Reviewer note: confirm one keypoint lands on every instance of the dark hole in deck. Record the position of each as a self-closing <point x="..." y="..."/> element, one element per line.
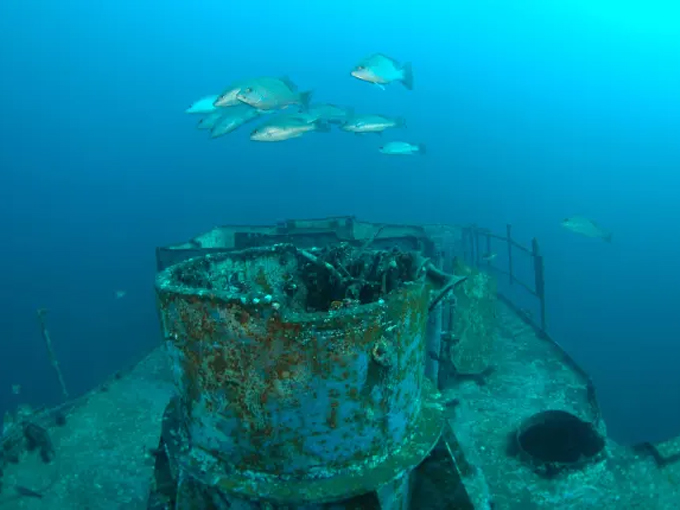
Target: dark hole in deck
<point x="558" y="437"/>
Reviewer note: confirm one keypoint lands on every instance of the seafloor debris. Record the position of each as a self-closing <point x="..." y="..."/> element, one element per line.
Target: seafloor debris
<point x="24" y="431"/>
<point x="38" y="439"/>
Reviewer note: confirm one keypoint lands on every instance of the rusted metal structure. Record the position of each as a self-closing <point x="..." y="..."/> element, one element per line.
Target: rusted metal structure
<point x="328" y="364"/>
<point x="304" y="370"/>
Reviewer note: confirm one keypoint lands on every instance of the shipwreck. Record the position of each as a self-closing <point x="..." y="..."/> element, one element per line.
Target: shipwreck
<point x="337" y="364"/>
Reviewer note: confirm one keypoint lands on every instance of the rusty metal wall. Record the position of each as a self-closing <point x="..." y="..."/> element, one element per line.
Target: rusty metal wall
<point x="267" y="387"/>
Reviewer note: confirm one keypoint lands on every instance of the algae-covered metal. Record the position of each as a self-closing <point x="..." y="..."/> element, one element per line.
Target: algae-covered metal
<point x="474" y="324"/>
<point x="297" y="364"/>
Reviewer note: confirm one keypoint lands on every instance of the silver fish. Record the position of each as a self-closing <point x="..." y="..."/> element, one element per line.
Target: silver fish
<point x="273" y="94"/>
<point x="403" y="148"/>
<point x="586" y="227"/>
<point x="210" y="120"/>
<point x="380" y="70"/>
<point x="371" y="124"/>
<point x="287" y="127"/>
<point x="233" y="119"/>
<point x="331" y="113"/>
<point x="203" y="105"/>
<point x="228" y="97"/>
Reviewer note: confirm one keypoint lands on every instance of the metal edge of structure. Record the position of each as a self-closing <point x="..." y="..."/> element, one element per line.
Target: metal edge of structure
<point x="570" y="361"/>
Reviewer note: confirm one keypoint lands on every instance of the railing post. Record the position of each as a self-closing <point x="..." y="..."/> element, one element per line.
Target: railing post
<point x="540" y="282"/>
<point x="477" y="254"/>
<point x="488" y="247"/>
<point x="509" y="235"/>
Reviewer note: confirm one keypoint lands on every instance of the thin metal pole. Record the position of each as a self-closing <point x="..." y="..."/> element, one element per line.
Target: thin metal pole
<point x="539" y="278"/>
<point x="42" y="320"/>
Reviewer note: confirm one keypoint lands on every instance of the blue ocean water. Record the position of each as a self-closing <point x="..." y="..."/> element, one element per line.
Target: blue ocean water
<point x="531" y="112"/>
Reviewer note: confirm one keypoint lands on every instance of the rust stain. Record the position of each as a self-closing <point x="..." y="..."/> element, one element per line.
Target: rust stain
<point x="226" y="345"/>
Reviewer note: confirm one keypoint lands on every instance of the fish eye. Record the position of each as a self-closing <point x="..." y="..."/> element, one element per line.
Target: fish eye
<point x="360" y="68"/>
<point x="247" y="90"/>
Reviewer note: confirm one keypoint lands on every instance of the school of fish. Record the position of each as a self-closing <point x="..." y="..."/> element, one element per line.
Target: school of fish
<point x="288" y="113"/>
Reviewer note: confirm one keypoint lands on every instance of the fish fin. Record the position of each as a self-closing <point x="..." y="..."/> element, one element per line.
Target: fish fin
<point x="422" y="149"/>
<point x="322" y="126"/>
<point x="305" y="98"/>
<point x="350" y="112"/>
<point x="608" y="238"/>
<point x="380" y="86"/>
<point x="379" y="133"/>
<point x="400" y="122"/>
<point x="289" y="83"/>
<point x="407" y="80"/>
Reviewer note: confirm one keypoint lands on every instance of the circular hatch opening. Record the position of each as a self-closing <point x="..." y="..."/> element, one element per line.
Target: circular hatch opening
<point x="558" y="438"/>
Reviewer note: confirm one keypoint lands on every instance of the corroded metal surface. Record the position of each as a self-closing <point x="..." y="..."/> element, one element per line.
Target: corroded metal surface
<point x="386" y="479"/>
<point x="474" y="323"/>
<point x="286" y="371"/>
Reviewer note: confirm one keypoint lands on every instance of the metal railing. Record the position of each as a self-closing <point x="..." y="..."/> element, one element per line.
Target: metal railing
<point x="474" y="237"/>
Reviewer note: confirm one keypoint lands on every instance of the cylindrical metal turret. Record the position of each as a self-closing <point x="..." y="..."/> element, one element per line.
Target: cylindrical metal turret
<point x="293" y="364"/>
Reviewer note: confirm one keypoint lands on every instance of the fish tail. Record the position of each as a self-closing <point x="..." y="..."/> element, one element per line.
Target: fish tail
<point x="400" y="122"/>
<point x="305" y="98"/>
<point x="407" y="79"/>
<point x="422" y="150"/>
<point x="607" y="237"/>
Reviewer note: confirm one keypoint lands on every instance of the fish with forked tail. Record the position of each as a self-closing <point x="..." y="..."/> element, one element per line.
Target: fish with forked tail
<point x="228" y="97"/>
<point x="233" y="119"/>
<point x="209" y="121"/>
<point x="586" y="227"/>
<point x="371" y="124"/>
<point x="381" y="70"/>
<point x="287" y="127"/>
<point x="270" y="93"/>
<point x="403" y="148"/>
<point x="331" y="113"/>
